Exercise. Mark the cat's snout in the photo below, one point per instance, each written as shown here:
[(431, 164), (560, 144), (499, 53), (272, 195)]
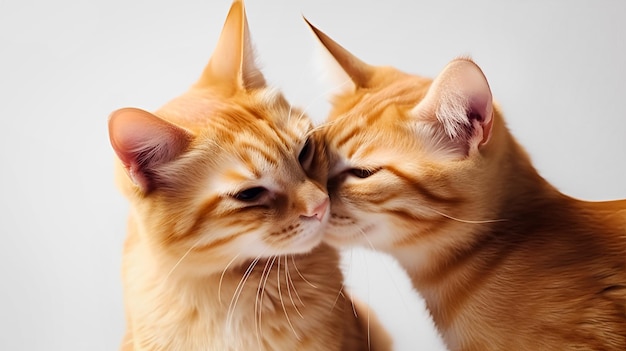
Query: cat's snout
[(319, 211)]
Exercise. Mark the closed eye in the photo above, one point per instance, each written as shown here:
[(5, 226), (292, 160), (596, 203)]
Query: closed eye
[(306, 154), (250, 194), (361, 172)]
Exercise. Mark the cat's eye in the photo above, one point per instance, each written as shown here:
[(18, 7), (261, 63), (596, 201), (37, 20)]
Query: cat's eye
[(361, 173), (250, 194), (306, 154)]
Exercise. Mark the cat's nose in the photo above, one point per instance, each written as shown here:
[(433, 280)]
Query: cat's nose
[(318, 211)]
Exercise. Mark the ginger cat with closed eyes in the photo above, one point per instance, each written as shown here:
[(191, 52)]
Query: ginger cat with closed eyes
[(427, 171), (223, 249)]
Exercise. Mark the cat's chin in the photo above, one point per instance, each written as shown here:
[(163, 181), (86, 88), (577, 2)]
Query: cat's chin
[(305, 242), (342, 238)]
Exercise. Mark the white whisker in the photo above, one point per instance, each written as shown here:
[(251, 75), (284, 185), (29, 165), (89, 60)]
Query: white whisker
[(289, 285), (369, 340), (351, 303), (354, 311), (300, 274), (468, 221), (238, 290), (219, 286), (258, 311), (340, 293), (282, 301), (328, 124), (181, 259), (385, 265)]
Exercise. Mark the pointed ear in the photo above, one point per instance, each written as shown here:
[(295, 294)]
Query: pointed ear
[(232, 67), (459, 101), (143, 142), (359, 72)]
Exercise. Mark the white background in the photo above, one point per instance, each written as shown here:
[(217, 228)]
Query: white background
[(556, 67)]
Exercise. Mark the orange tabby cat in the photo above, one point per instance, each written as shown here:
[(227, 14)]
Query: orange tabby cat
[(222, 249), (427, 171)]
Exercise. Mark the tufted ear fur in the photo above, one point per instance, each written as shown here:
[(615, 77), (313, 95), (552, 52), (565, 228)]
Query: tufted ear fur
[(460, 104), (232, 67), (143, 142), (358, 72)]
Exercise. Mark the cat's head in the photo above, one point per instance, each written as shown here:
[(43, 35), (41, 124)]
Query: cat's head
[(406, 154), (219, 172)]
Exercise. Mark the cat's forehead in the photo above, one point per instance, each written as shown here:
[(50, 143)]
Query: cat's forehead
[(251, 139), (253, 166), (375, 123), (239, 173), (200, 110), (365, 105), (369, 113), (258, 142)]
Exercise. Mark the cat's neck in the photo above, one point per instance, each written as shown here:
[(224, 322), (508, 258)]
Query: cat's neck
[(510, 184), (514, 190), (533, 225), (169, 309)]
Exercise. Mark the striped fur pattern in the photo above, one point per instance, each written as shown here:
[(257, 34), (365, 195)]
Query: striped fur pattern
[(427, 171), (223, 249)]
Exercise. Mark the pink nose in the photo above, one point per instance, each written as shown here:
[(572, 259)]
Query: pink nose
[(319, 211)]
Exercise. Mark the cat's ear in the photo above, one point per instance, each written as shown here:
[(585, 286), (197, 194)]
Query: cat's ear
[(350, 67), (232, 66), (460, 103), (143, 142)]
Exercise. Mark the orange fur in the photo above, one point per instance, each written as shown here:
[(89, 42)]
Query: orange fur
[(223, 248), (427, 171)]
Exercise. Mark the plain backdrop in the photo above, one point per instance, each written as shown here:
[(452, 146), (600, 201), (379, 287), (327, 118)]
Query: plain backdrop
[(557, 68)]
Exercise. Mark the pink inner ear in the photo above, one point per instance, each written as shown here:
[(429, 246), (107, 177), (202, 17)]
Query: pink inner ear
[(480, 114), (461, 100), (143, 141)]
